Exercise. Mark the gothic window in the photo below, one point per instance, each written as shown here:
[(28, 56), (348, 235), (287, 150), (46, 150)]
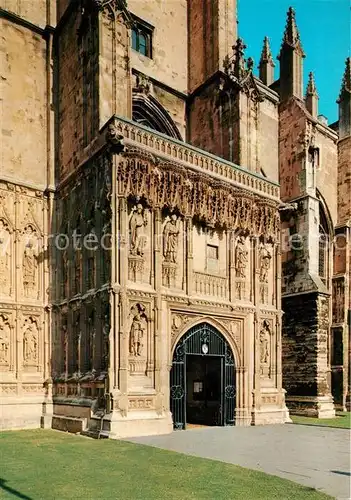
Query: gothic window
[(142, 37), (150, 113)]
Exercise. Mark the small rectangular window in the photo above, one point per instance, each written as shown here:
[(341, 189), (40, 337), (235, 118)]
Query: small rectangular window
[(142, 37), (212, 252)]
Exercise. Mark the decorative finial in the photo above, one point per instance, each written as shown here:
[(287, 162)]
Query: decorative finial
[(291, 34), (266, 65), (266, 55), (346, 80), (311, 85), (239, 59)]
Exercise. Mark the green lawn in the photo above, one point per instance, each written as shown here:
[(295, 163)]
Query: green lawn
[(342, 420), (48, 465)]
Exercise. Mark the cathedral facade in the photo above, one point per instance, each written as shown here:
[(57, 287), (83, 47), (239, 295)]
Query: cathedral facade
[(159, 212)]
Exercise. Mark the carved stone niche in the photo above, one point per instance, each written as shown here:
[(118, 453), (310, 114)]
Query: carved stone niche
[(171, 232), (5, 257), (31, 341), (265, 339), (5, 338), (264, 263), (30, 262), (137, 242), (138, 340)]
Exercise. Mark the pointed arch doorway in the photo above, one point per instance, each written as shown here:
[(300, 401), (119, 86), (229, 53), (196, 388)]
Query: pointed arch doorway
[(202, 379)]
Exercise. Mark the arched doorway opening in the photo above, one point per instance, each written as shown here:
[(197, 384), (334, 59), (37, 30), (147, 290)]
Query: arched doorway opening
[(202, 379)]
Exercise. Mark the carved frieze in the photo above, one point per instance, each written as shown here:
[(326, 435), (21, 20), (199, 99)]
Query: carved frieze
[(141, 403), (201, 196)]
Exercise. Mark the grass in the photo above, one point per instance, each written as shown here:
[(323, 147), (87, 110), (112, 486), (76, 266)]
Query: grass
[(48, 465), (341, 421)]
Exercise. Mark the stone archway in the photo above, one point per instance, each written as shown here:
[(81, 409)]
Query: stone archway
[(202, 351)]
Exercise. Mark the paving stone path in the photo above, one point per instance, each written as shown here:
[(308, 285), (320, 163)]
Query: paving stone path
[(317, 457)]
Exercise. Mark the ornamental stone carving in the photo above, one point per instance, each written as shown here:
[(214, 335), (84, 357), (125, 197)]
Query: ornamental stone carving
[(5, 258), (30, 262), (5, 335), (30, 341), (138, 331)]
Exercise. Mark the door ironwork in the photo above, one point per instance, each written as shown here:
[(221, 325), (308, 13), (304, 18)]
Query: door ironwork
[(203, 340)]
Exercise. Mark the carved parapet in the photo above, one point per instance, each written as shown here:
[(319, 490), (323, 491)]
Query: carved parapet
[(206, 284)]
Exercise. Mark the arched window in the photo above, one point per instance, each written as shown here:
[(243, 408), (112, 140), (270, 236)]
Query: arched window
[(149, 112)]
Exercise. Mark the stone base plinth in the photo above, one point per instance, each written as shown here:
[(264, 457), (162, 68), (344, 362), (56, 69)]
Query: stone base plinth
[(270, 416), (311, 406), (25, 413), (136, 424)]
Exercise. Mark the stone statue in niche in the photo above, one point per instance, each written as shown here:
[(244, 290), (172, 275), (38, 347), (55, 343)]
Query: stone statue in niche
[(171, 239), (30, 341), (137, 331), (5, 332), (241, 258), (265, 344), (138, 222), (30, 262), (265, 258), (4, 258)]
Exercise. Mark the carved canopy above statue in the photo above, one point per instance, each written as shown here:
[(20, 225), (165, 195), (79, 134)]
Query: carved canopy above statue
[(165, 184)]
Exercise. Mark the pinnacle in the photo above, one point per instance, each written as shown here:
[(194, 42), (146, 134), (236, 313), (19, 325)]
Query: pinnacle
[(266, 55), (346, 81), (291, 34), (311, 85)]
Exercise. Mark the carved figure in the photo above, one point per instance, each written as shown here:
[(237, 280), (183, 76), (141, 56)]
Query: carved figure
[(30, 262), (138, 222), (264, 344), (4, 338), (171, 238), (265, 262), (137, 332), (240, 258), (4, 258), (30, 342)]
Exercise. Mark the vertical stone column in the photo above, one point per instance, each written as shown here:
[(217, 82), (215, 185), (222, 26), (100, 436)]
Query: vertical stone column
[(256, 326), (189, 256), (158, 363), (123, 307)]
